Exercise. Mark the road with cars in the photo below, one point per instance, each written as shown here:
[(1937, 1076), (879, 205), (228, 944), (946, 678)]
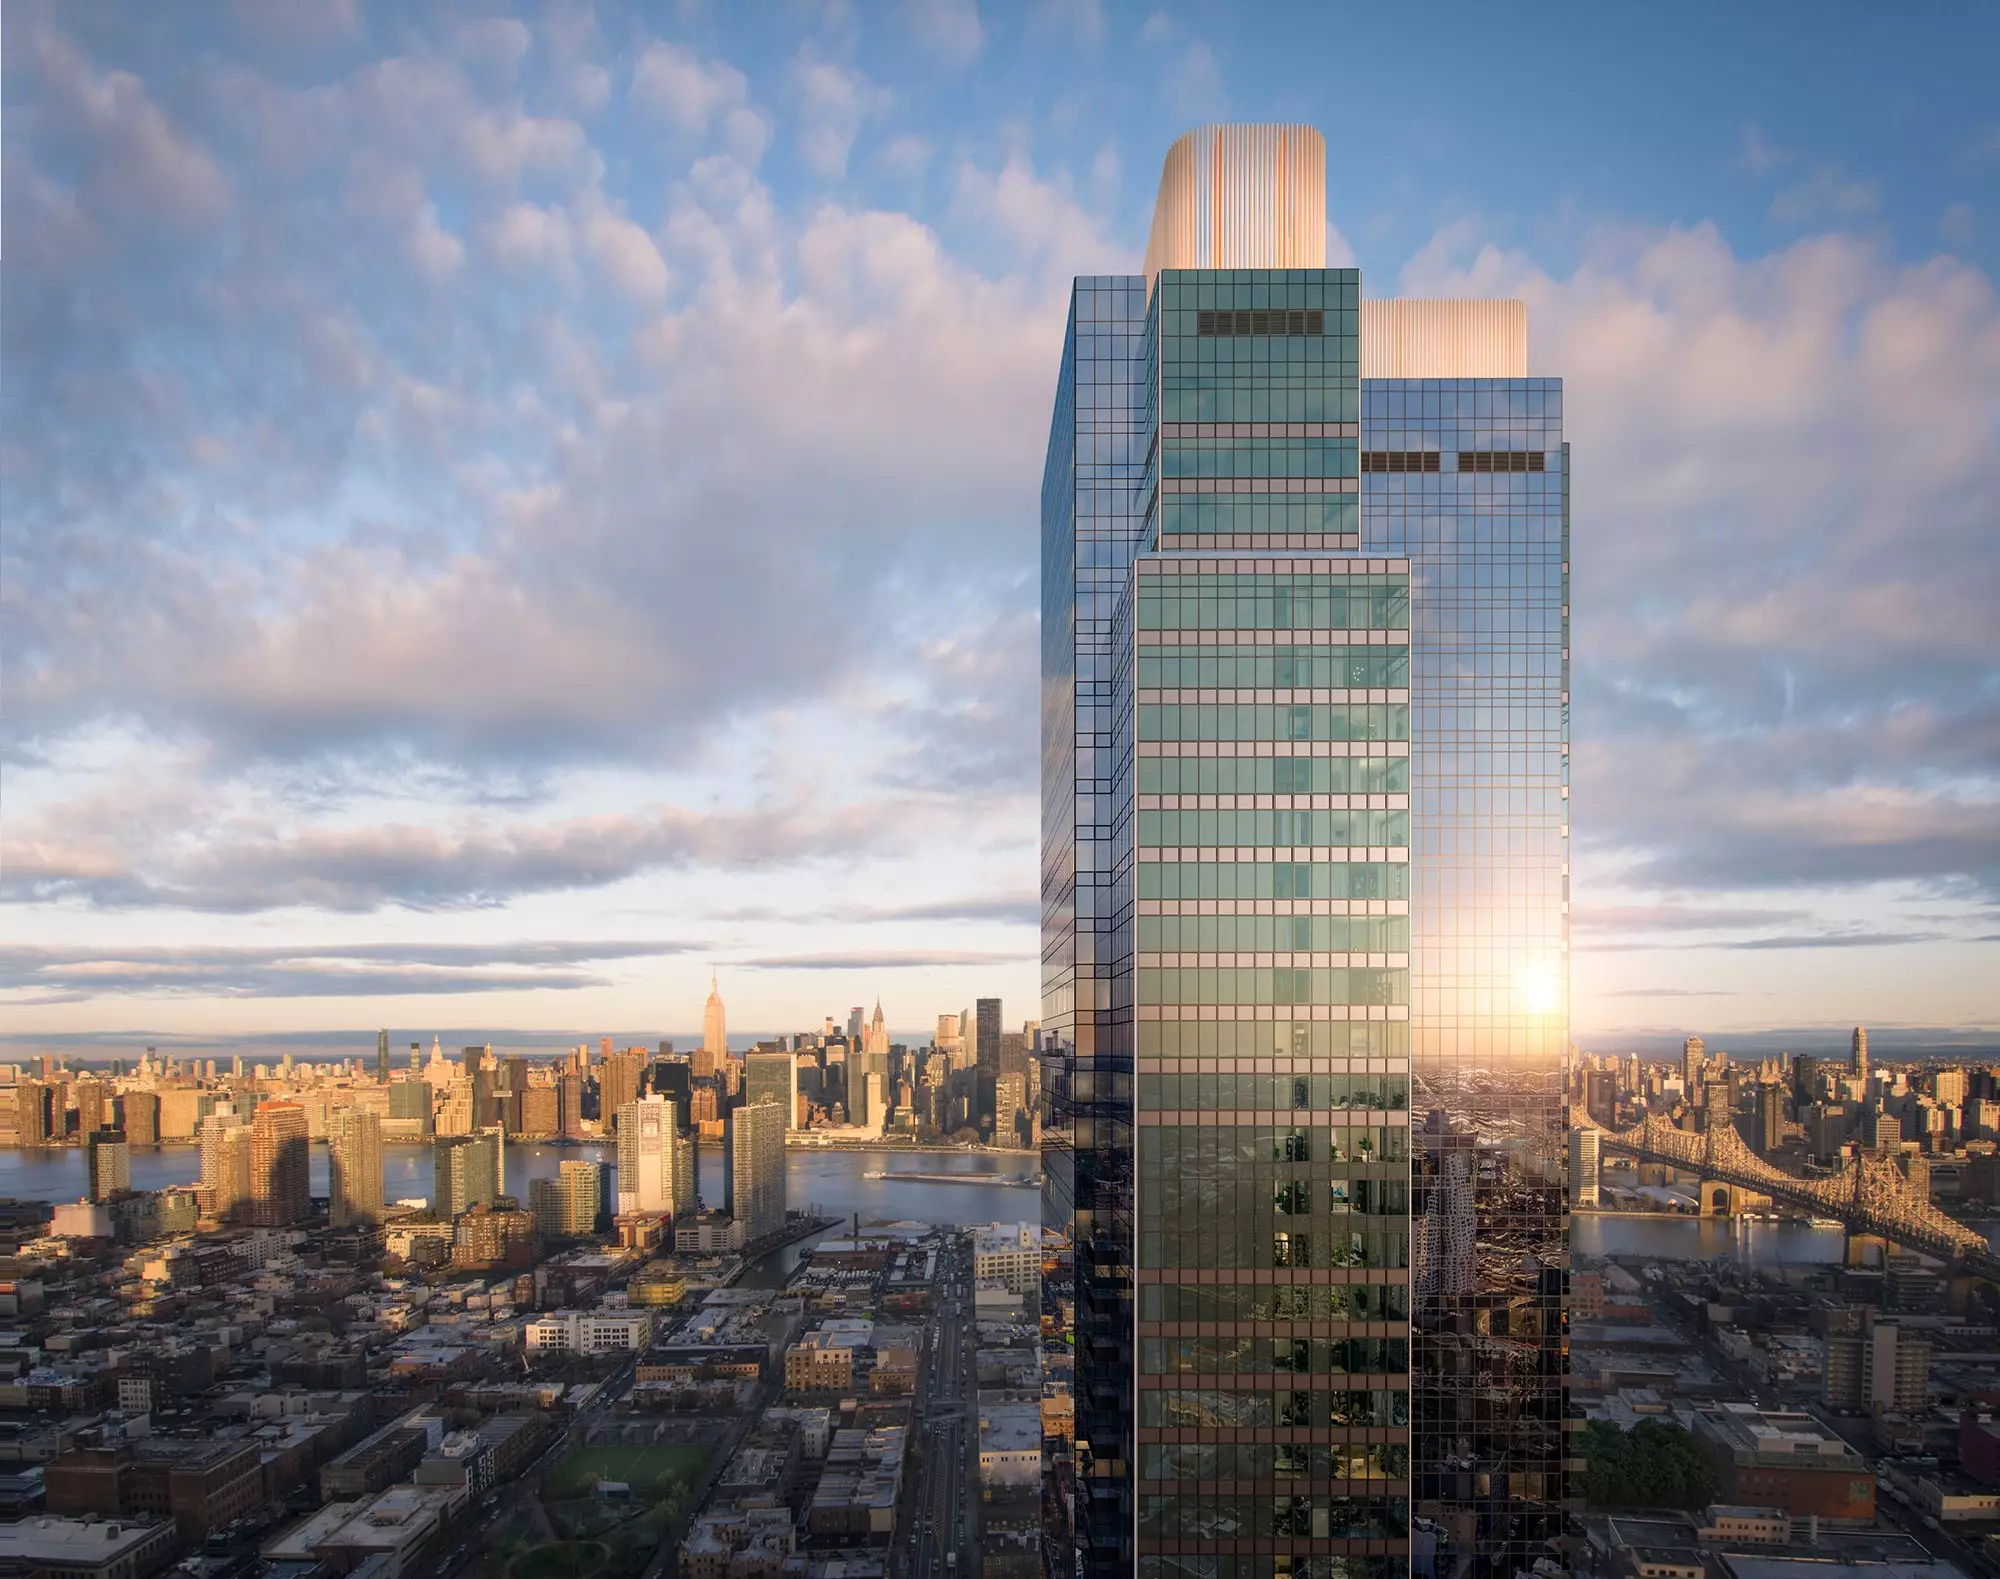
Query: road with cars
[(942, 1541)]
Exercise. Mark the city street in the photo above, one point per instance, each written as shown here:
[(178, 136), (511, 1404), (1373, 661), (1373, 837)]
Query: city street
[(942, 1512)]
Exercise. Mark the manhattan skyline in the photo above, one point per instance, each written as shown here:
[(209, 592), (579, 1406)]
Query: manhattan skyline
[(372, 657)]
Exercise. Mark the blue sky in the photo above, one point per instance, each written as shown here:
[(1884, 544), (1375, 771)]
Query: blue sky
[(506, 510)]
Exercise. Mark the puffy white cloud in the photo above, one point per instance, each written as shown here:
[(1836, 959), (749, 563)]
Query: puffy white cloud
[(625, 253), (833, 101), (1828, 193), (137, 167), (674, 83)]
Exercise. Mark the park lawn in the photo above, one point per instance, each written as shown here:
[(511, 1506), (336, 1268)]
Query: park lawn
[(652, 1472)]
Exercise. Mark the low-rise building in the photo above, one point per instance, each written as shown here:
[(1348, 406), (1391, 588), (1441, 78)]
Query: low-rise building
[(201, 1484), (684, 1364), (394, 1525), (1741, 1526), (1010, 1445), (85, 1548), (589, 1331), (1787, 1460), (817, 1364), (1010, 1256), (373, 1464)]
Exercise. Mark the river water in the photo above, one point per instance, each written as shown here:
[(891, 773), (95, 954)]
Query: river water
[(834, 1182), (1761, 1241)]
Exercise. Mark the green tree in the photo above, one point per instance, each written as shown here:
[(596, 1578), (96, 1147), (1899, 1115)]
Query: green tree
[(1654, 1465)]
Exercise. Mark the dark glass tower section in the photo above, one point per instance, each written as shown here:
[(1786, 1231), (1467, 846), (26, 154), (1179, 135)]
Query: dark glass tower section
[(1468, 479), (1094, 504)]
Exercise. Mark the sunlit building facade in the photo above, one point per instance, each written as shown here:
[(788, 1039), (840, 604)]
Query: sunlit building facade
[(1304, 767)]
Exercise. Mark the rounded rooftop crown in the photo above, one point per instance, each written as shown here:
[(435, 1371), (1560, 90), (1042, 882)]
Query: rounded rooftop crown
[(1241, 197)]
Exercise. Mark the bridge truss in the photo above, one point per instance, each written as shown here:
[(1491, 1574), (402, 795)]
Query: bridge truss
[(1869, 1194)]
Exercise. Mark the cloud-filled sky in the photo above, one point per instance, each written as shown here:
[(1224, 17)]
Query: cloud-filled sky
[(505, 511)]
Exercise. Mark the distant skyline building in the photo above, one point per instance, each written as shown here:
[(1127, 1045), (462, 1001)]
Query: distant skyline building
[(1858, 1053), (714, 1031), (354, 1167), (773, 1077), (1585, 1157), (382, 1056), (985, 1052), (618, 1080), (1694, 1064), (1304, 774), (142, 1118)]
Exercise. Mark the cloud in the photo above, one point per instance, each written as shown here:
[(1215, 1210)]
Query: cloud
[(1024, 909), (1958, 225), (98, 854), (949, 29), (673, 83), (1192, 82), (1816, 940), (42, 975), (833, 101), (1079, 21), (906, 156), (1783, 646), (1674, 916), (1670, 992), (1758, 154), (131, 165), (1827, 193), (885, 959), (625, 254)]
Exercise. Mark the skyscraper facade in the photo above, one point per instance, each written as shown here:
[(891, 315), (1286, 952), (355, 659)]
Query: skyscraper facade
[(753, 1164), (714, 1033), (566, 1207), (142, 1117), (280, 1149), (382, 1056), (110, 1164), (618, 1080), (773, 1077), (465, 1173), (354, 1167), (647, 1137), (1304, 625)]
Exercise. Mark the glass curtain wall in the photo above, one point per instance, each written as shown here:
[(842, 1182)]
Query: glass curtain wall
[(1468, 479)]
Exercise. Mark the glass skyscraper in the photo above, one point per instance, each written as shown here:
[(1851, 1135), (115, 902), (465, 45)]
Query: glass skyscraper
[(1305, 959)]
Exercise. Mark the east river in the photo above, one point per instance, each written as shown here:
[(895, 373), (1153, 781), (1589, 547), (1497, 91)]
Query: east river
[(834, 1183), (1763, 1241)]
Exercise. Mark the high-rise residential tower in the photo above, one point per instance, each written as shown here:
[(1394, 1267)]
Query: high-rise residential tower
[(648, 1137), (465, 1172), (1304, 813), (753, 1168), (354, 1167), (110, 1164), (280, 1153)]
